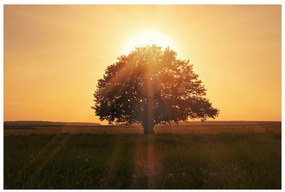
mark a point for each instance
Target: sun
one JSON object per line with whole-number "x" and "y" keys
{"x": 148, "y": 38}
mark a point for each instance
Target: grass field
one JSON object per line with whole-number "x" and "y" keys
{"x": 197, "y": 127}
{"x": 200, "y": 156}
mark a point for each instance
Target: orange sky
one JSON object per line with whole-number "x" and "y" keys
{"x": 54, "y": 55}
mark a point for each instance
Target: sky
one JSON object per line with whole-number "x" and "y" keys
{"x": 55, "y": 54}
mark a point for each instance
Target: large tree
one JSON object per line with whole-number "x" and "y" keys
{"x": 151, "y": 86}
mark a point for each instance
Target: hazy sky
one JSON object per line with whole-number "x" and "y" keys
{"x": 54, "y": 55}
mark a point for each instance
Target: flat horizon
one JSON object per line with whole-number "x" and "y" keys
{"x": 135, "y": 123}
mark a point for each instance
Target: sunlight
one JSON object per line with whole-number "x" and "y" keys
{"x": 148, "y": 38}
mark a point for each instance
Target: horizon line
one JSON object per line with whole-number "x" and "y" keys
{"x": 55, "y": 121}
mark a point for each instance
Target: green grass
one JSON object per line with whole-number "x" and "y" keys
{"x": 90, "y": 161}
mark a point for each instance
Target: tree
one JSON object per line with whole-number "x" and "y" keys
{"x": 150, "y": 86}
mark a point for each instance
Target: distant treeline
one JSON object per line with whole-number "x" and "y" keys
{"x": 36, "y": 124}
{"x": 31, "y": 124}
{"x": 227, "y": 123}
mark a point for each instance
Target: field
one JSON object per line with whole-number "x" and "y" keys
{"x": 210, "y": 155}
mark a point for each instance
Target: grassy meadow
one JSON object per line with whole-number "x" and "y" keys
{"x": 235, "y": 155}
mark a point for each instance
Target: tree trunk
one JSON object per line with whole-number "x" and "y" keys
{"x": 148, "y": 129}
{"x": 148, "y": 123}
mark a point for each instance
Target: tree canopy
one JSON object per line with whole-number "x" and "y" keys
{"x": 151, "y": 86}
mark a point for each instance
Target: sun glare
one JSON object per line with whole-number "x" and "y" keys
{"x": 148, "y": 38}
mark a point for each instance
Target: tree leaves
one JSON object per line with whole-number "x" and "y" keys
{"x": 151, "y": 81}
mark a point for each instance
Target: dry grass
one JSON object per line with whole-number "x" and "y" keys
{"x": 211, "y": 155}
{"x": 189, "y": 128}
{"x": 119, "y": 161}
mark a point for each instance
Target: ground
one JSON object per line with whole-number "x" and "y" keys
{"x": 212, "y": 155}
